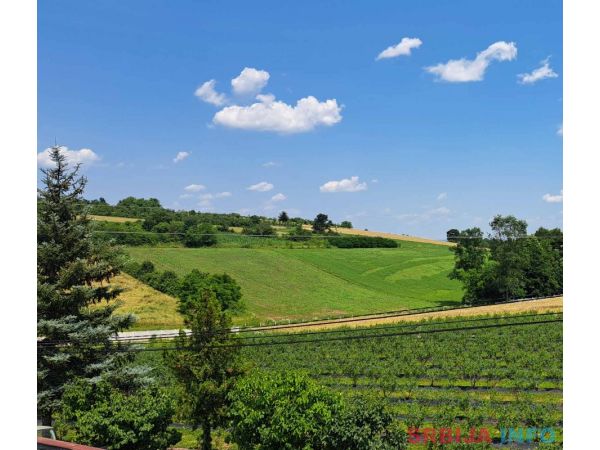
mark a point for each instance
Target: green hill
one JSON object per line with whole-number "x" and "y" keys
{"x": 280, "y": 284}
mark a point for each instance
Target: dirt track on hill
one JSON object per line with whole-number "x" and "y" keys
{"x": 554, "y": 304}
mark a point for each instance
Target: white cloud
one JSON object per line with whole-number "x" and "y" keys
{"x": 84, "y": 156}
{"x": 351, "y": 184}
{"x": 206, "y": 197}
{"x": 442, "y": 196}
{"x": 559, "y": 131}
{"x": 250, "y": 81}
{"x": 181, "y": 156}
{"x": 549, "y": 198}
{"x": 269, "y": 114}
{"x": 263, "y": 186}
{"x": 194, "y": 188}
{"x": 271, "y": 164}
{"x": 545, "y": 71}
{"x": 375, "y": 180}
{"x": 206, "y": 92}
{"x": 223, "y": 194}
{"x": 404, "y": 47}
{"x": 464, "y": 70}
{"x": 278, "y": 197}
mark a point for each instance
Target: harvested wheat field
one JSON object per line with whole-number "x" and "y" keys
{"x": 154, "y": 309}
{"x": 553, "y": 304}
{"x": 113, "y": 219}
{"x": 398, "y": 237}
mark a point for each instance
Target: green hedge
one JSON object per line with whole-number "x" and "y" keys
{"x": 362, "y": 242}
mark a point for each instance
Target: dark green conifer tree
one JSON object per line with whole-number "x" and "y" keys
{"x": 75, "y": 300}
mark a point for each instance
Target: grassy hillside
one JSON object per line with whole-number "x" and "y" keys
{"x": 154, "y": 309}
{"x": 306, "y": 284}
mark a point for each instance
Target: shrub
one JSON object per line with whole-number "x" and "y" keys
{"x": 276, "y": 411}
{"x": 101, "y": 415}
{"x": 202, "y": 235}
{"x": 260, "y": 229}
{"x": 225, "y": 288}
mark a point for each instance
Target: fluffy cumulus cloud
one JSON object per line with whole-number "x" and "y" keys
{"x": 83, "y": 156}
{"x": 269, "y": 114}
{"x": 542, "y": 72}
{"x": 265, "y": 113}
{"x": 263, "y": 186}
{"x": 194, "y": 188}
{"x": 549, "y": 198}
{"x": 207, "y": 93}
{"x": 465, "y": 70}
{"x": 181, "y": 156}
{"x": 351, "y": 184}
{"x": 403, "y": 48}
{"x": 250, "y": 81}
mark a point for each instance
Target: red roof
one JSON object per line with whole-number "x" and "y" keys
{"x": 44, "y": 444}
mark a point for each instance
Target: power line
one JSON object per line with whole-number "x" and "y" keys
{"x": 351, "y": 330}
{"x": 49, "y": 344}
{"x": 348, "y": 338}
{"x": 353, "y": 319}
{"x": 373, "y": 328}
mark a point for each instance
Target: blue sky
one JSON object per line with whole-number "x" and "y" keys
{"x": 434, "y": 145}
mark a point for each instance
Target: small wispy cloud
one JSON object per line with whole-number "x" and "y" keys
{"x": 207, "y": 93}
{"x": 541, "y": 73}
{"x": 278, "y": 197}
{"x": 269, "y": 164}
{"x": 442, "y": 196}
{"x": 181, "y": 156}
{"x": 556, "y": 198}
{"x": 351, "y": 184}
{"x": 403, "y": 48}
{"x": 194, "y": 188}
{"x": 263, "y": 186}
{"x": 466, "y": 70}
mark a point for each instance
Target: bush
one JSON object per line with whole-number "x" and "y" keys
{"x": 299, "y": 234}
{"x": 225, "y": 288}
{"x": 202, "y": 235}
{"x": 103, "y": 416}
{"x": 276, "y": 411}
{"x": 260, "y": 229}
{"x": 362, "y": 242}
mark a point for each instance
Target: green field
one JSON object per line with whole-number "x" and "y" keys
{"x": 280, "y": 284}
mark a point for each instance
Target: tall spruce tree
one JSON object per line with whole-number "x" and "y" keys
{"x": 73, "y": 274}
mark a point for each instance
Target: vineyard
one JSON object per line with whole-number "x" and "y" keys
{"x": 495, "y": 372}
